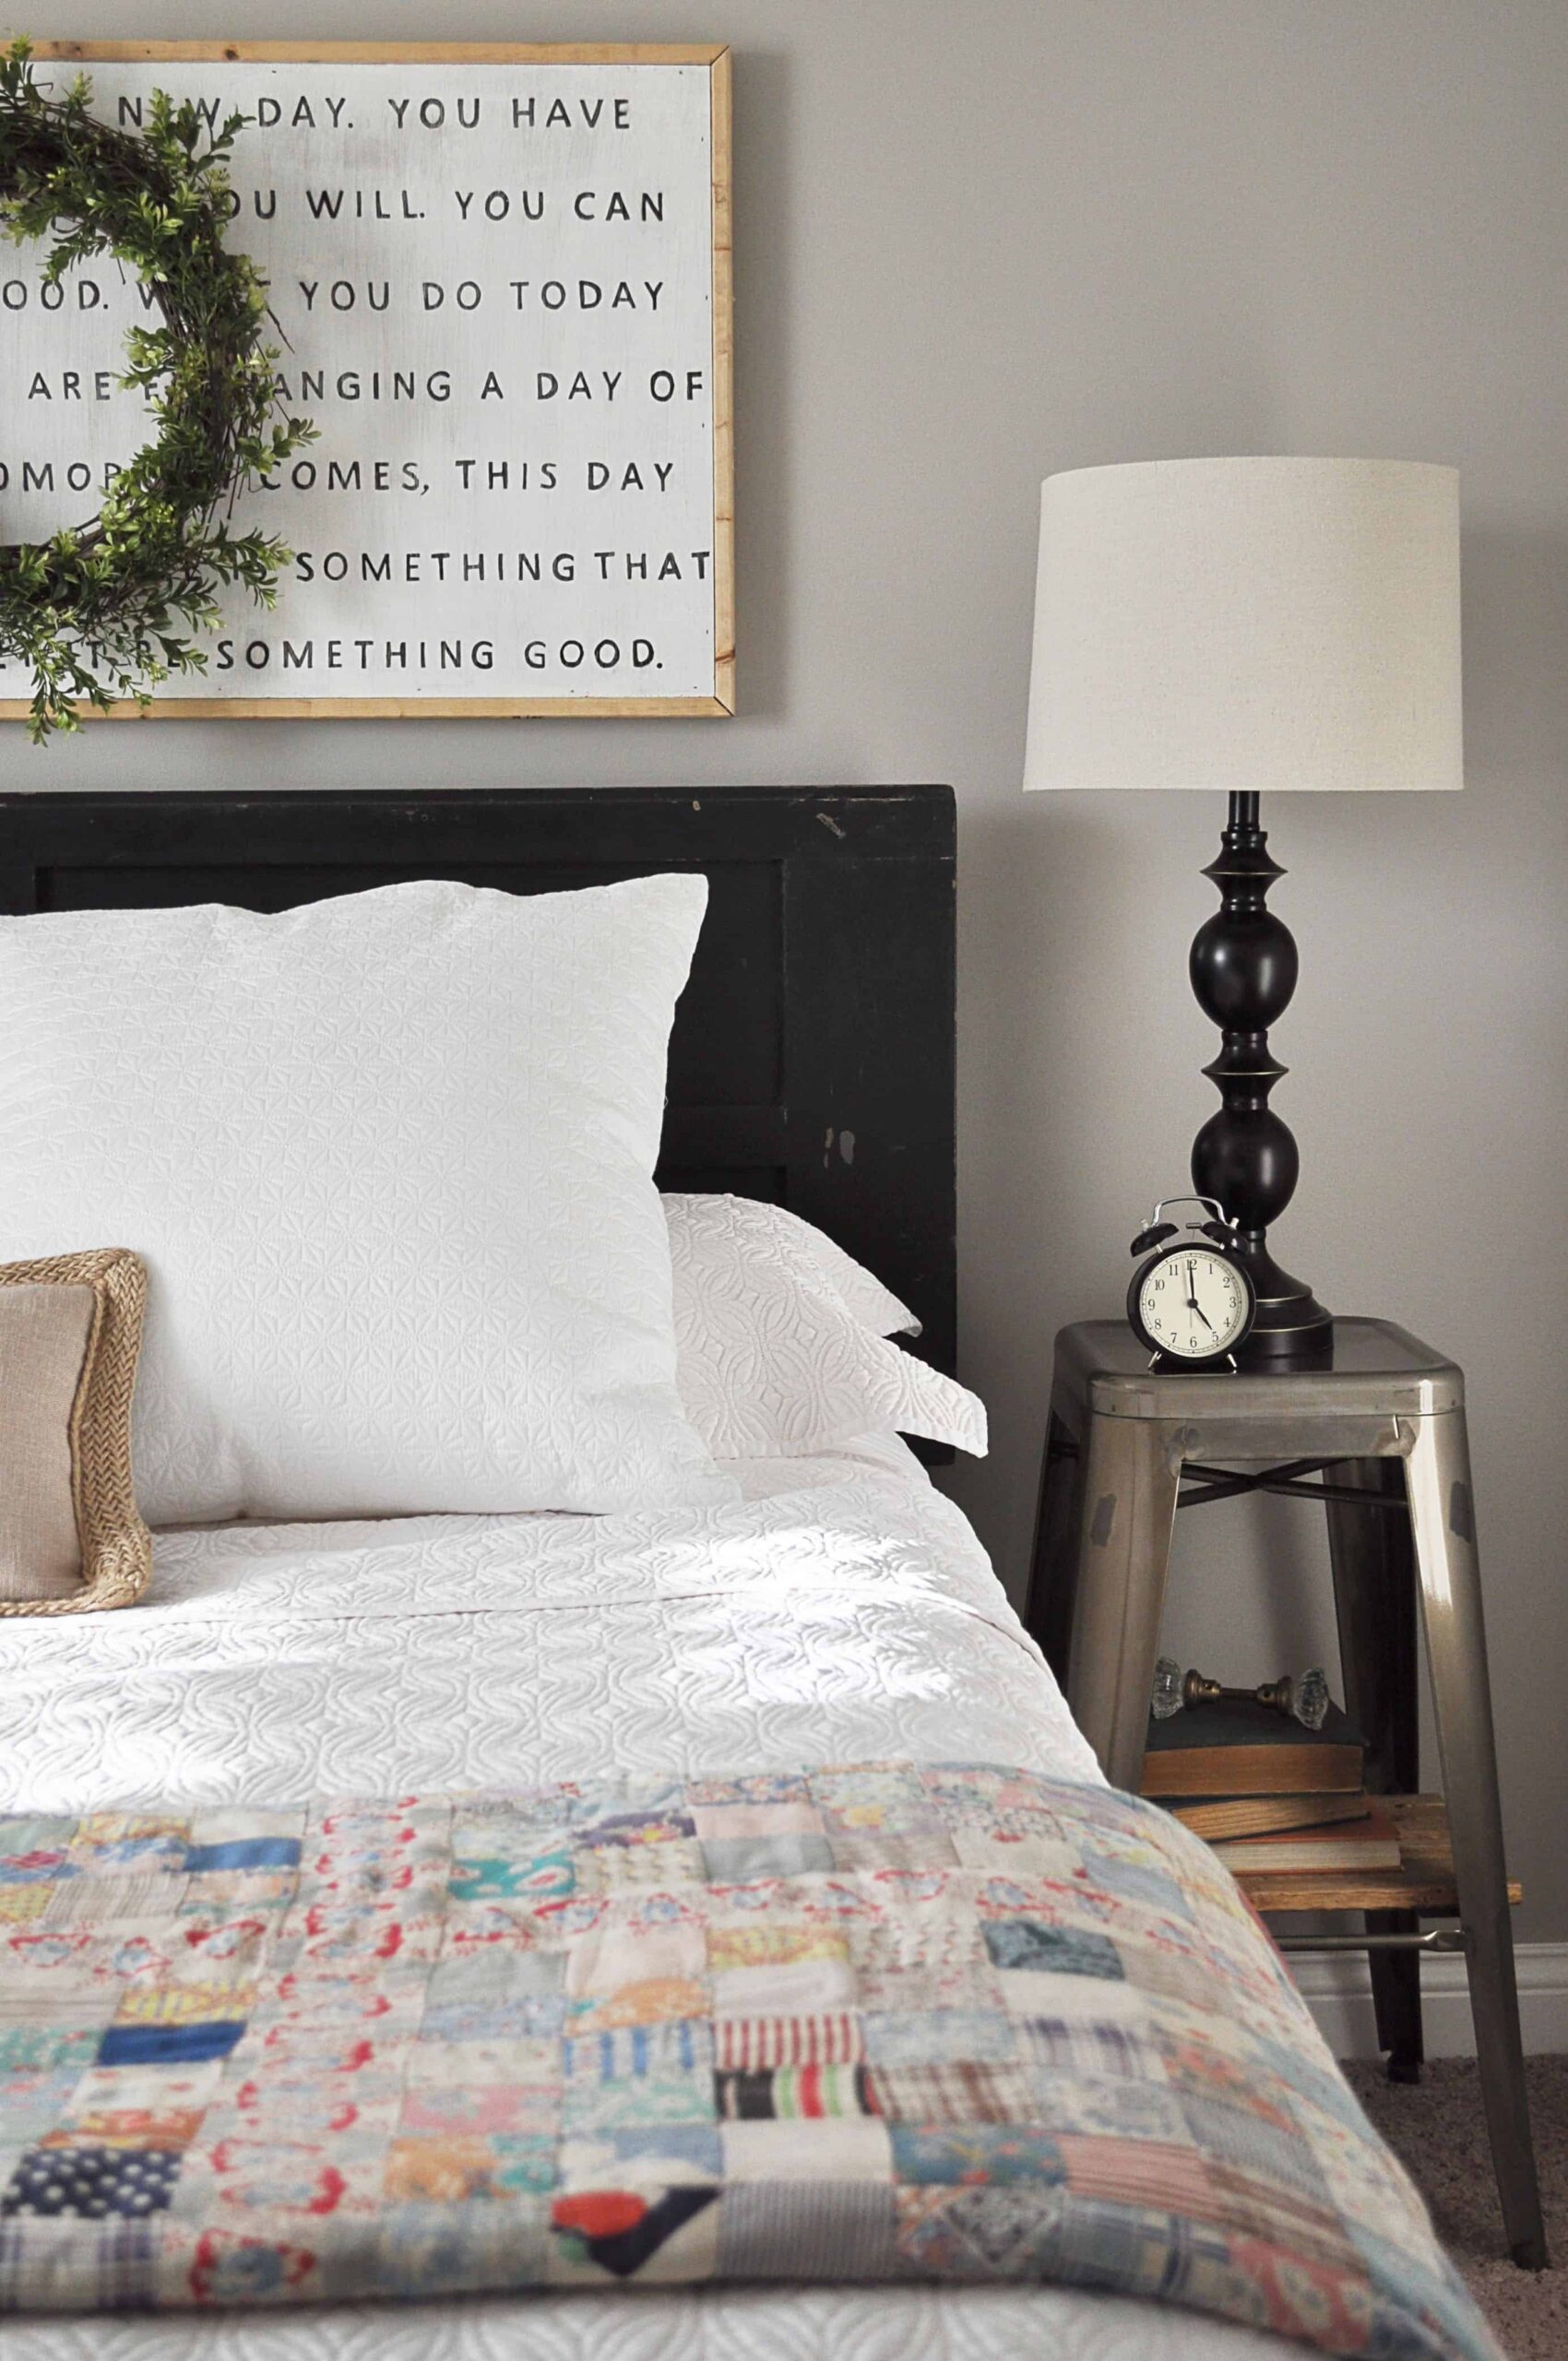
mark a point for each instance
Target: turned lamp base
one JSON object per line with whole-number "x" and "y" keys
{"x": 1243, "y": 967}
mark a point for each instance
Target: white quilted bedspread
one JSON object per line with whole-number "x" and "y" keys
{"x": 842, "y": 1611}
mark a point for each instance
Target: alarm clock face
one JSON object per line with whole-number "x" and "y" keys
{"x": 1193, "y": 1303}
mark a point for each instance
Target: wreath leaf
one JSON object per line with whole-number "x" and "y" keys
{"x": 104, "y": 597}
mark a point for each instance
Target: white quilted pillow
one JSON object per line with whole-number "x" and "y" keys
{"x": 782, "y": 1340}
{"x": 389, "y": 1160}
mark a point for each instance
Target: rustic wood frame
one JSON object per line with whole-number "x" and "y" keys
{"x": 715, "y": 56}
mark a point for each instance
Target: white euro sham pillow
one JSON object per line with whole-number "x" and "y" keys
{"x": 782, "y": 1340}
{"x": 859, "y": 1290}
{"x": 388, "y": 1159}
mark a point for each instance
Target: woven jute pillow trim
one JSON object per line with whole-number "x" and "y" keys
{"x": 116, "y": 1547}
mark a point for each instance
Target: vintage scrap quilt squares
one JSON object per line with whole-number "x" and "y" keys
{"x": 872, "y": 2021}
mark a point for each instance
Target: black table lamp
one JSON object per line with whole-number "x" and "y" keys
{"x": 1246, "y": 624}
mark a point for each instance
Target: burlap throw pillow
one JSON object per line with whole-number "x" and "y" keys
{"x": 70, "y": 1536}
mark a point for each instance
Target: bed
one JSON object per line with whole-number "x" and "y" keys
{"x": 839, "y": 1610}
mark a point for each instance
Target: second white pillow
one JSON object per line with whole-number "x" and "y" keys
{"x": 781, "y": 1338}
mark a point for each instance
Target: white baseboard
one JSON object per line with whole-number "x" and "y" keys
{"x": 1337, "y": 1989}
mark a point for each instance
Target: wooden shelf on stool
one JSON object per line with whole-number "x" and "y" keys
{"x": 1424, "y": 1879}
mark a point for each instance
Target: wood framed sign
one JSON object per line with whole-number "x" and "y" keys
{"x": 502, "y": 276}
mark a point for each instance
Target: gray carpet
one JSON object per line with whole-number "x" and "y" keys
{"x": 1436, "y": 2129}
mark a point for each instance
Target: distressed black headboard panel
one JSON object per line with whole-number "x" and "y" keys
{"x": 811, "y": 1061}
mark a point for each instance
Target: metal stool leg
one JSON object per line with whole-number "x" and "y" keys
{"x": 1374, "y": 1598}
{"x": 1048, "y": 1608}
{"x": 1130, "y": 1482}
{"x": 1396, "y": 1995}
{"x": 1443, "y": 1518}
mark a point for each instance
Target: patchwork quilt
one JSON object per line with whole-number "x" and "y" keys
{"x": 879, "y": 2023}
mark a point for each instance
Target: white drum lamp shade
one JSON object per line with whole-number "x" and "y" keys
{"x": 1247, "y": 625}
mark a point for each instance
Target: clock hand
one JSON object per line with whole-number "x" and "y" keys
{"x": 1192, "y": 1304}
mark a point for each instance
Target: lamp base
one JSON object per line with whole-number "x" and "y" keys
{"x": 1291, "y": 1328}
{"x": 1244, "y": 968}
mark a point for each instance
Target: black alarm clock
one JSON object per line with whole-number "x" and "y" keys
{"x": 1192, "y": 1300}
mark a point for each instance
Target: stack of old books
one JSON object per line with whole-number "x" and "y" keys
{"x": 1266, "y": 1794}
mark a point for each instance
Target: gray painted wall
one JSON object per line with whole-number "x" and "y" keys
{"x": 976, "y": 243}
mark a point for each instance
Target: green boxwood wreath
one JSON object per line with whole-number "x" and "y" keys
{"x": 111, "y": 608}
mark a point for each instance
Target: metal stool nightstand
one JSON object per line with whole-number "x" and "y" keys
{"x": 1377, "y": 1433}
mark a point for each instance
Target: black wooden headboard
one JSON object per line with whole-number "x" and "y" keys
{"x": 811, "y": 1059}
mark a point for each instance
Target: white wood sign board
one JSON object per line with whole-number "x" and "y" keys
{"x": 503, "y": 276}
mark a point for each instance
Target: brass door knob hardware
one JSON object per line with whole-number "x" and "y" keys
{"x": 1300, "y": 1697}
